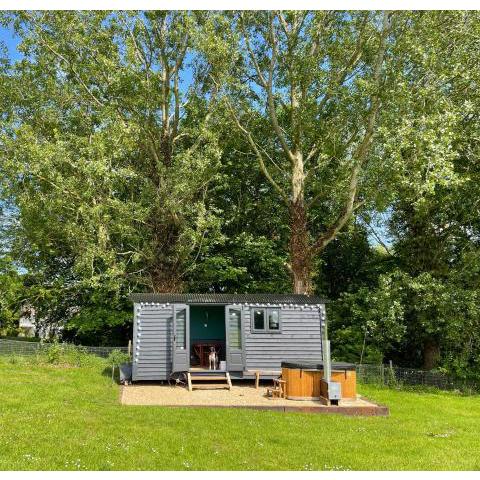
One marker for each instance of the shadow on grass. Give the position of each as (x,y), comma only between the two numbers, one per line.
(107,372)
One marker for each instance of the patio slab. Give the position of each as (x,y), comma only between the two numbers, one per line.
(240,396)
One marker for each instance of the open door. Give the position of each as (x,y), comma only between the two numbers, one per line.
(234,338)
(181,338)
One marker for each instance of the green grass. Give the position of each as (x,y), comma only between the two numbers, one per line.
(70,419)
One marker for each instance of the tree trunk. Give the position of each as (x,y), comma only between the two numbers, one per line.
(300,255)
(300,258)
(165,282)
(431,354)
(166,265)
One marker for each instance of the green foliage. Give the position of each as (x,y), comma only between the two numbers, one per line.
(117,357)
(11,291)
(351,262)
(53,352)
(65,354)
(368,323)
(111,194)
(403,314)
(246,263)
(431,288)
(122,169)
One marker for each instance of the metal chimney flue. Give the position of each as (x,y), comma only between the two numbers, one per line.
(328,362)
(329,390)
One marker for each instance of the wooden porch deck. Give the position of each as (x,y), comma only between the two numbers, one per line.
(245,375)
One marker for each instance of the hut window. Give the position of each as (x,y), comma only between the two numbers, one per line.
(273,319)
(259,319)
(266,320)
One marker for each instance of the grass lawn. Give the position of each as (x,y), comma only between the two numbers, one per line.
(54,418)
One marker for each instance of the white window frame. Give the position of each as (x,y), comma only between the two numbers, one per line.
(266,311)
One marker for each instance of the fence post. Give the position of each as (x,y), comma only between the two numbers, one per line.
(130,348)
(382,372)
(393,380)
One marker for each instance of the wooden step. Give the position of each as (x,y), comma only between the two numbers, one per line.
(203,378)
(211,386)
(206,376)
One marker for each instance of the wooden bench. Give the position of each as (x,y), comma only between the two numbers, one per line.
(258,373)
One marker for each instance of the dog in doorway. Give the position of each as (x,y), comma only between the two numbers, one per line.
(212,359)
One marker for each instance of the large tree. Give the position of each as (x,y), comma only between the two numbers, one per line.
(433,147)
(175,150)
(435,221)
(105,148)
(107,156)
(318,79)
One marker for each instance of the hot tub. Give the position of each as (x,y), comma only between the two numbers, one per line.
(303,379)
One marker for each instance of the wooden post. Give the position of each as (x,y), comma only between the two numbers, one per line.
(130,348)
(392,373)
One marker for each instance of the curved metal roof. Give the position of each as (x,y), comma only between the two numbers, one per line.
(226,298)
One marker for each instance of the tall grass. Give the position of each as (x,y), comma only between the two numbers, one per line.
(60,354)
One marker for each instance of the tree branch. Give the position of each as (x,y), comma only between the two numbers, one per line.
(379,240)
(263,82)
(271,100)
(361,152)
(72,68)
(258,153)
(353,60)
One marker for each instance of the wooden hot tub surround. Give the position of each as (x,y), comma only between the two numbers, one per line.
(303,379)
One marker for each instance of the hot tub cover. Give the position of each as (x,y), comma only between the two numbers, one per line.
(308,365)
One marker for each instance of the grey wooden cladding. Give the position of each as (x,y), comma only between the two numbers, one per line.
(152,343)
(299,338)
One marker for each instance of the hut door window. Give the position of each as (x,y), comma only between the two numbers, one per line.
(181,334)
(235,328)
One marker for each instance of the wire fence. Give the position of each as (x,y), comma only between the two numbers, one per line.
(20,348)
(385,375)
(400,377)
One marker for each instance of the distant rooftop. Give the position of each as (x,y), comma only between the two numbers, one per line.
(226,298)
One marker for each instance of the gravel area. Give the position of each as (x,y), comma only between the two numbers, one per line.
(238,396)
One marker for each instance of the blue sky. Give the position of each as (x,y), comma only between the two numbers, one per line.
(8,38)
(11,41)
